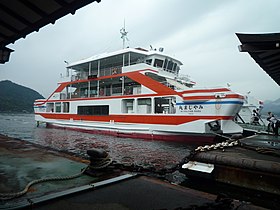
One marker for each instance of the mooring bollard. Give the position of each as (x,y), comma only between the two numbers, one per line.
(99,160)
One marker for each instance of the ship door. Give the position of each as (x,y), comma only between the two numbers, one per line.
(165,105)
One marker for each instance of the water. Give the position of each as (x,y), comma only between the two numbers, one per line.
(124,150)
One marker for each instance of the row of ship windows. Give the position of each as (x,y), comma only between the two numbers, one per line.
(105,87)
(165,105)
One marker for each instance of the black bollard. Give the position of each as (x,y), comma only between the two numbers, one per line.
(99,160)
(97,154)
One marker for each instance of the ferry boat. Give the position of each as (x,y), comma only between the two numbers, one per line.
(139,93)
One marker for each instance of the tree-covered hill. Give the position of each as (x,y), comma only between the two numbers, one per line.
(272,106)
(17,98)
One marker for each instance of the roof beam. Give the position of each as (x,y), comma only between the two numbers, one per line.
(3,35)
(259,47)
(273,58)
(34,8)
(273,64)
(66,5)
(265,50)
(19,18)
(9,27)
(275,68)
(14,15)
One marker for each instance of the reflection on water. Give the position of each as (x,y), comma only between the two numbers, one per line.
(124,150)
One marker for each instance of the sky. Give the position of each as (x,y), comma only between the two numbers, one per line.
(200,33)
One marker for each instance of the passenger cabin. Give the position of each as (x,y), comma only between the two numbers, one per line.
(103,75)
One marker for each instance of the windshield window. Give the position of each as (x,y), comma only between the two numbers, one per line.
(158,63)
(149,61)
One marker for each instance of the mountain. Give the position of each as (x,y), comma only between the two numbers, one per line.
(17,98)
(272,106)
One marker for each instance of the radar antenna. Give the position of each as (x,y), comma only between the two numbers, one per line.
(124,35)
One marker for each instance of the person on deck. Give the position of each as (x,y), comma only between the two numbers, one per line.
(258,112)
(274,123)
(255,118)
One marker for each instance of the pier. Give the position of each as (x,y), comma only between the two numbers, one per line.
(253,163)
(22,162)
(37,177)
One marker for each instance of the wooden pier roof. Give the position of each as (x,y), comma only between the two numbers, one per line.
(265,50)
(21,17)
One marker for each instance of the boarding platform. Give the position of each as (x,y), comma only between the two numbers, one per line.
(252,164)
(22,162)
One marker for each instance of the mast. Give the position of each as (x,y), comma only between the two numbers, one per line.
(124,35)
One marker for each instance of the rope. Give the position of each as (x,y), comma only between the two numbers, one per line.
(221,145)
(228,143)
(101,163)
(8,196)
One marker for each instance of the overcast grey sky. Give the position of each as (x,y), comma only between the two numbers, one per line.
(200,33)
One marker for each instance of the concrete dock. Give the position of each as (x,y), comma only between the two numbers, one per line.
(22,162)
(252,164)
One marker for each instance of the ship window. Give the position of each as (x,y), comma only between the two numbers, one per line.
(65,106)
(149,61)
(158,63)
(144,106)
(174,67)
(58,107)
(84,89)
(75,90)
(170,65)
(165,63)
(50,107)
(93,89)
(62,96)
(131,87)
(127,105)
(116,89)
(93,110)
(105,87)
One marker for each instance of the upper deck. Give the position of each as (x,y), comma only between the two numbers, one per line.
(124,72)
(125,60)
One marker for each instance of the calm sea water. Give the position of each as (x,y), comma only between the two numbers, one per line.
(124,150)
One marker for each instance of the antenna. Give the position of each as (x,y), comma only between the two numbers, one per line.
(124,34)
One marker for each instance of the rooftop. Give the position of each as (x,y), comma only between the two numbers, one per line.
(265,50)
(22,17)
